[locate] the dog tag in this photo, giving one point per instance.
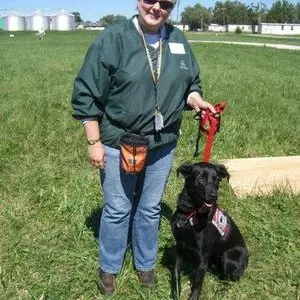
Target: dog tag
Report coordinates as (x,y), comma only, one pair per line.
(158,120)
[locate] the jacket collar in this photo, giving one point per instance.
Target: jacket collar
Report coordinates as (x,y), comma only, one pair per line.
(163,31)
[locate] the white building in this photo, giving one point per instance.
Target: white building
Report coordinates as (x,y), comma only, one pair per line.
(63,20)
(278,28)
(216,28)
(182,27)
(38,21)
(243,27)
(13,21)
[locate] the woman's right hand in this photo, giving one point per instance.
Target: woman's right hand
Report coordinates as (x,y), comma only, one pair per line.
(97,155)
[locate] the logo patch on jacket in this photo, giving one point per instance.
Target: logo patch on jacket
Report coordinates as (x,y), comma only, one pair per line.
(220,221)
(182,65)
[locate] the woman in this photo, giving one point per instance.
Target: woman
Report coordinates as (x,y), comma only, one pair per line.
(137,77)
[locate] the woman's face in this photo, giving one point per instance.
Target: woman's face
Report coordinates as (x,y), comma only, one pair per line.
(152,16)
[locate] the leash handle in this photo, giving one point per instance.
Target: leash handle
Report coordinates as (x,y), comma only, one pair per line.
(207,117)
(209,125)
(210,137)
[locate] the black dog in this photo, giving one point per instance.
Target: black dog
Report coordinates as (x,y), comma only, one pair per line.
(204,234)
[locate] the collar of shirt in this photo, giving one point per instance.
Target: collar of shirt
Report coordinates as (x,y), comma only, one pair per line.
(151,39)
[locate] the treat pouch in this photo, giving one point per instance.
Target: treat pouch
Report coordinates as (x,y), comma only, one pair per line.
(134,149)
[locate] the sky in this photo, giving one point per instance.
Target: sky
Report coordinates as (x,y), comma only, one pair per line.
(94,10)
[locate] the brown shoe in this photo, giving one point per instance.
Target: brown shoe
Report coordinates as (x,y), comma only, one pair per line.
(107,283)
(147,278)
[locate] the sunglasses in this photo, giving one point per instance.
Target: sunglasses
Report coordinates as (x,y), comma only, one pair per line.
(165,5)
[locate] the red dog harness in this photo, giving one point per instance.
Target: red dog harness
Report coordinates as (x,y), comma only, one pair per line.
(219,219)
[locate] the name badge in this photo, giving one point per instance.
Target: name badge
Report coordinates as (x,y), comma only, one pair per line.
(176,48)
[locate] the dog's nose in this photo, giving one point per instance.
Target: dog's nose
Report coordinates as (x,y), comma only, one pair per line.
(212,195)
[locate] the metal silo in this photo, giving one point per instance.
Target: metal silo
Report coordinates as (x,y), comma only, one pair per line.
(38,21)
(14,22)
(63,20)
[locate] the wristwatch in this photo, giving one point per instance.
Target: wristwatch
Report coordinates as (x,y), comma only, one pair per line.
(93,142)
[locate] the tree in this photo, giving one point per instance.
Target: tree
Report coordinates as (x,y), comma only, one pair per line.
(219,13)
(77,16)
(257,13)
(196,17)
(281,12)
(110,19)
(297,13)
(230,12)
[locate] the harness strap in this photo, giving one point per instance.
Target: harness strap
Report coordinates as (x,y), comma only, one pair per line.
(219,219)
(192,216)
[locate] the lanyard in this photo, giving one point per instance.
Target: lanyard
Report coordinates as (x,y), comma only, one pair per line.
(159,59)
(158,120)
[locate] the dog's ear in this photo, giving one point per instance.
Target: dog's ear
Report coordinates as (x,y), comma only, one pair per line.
(222,172)
(185,169)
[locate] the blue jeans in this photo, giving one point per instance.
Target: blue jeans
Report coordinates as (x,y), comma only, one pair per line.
(133,197)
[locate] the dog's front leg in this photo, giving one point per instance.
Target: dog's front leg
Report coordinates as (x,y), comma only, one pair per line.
(176,282)
(197,281)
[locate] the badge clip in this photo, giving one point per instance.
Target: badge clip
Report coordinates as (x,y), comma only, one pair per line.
(158,120)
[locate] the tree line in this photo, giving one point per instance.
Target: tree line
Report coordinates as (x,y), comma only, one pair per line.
(235,12)
(103,22)
(223,13)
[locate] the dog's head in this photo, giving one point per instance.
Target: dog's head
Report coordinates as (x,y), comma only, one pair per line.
(202,181)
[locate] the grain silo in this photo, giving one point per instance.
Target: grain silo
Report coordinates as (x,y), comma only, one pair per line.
(14,22)
(38,21)
(63,20)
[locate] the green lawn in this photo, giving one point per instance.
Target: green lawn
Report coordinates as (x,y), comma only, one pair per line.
(245,37)
(50,196)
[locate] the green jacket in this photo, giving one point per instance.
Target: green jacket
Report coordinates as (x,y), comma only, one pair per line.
(115,85)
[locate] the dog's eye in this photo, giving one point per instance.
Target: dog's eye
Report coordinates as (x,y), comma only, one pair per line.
(202,181)
(202,177)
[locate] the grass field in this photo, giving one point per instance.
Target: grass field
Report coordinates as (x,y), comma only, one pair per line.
(50,196)
(245,37)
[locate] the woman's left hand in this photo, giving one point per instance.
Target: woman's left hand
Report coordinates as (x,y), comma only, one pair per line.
(197,103)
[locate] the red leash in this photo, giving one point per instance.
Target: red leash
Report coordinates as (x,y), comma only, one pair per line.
(209,125)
